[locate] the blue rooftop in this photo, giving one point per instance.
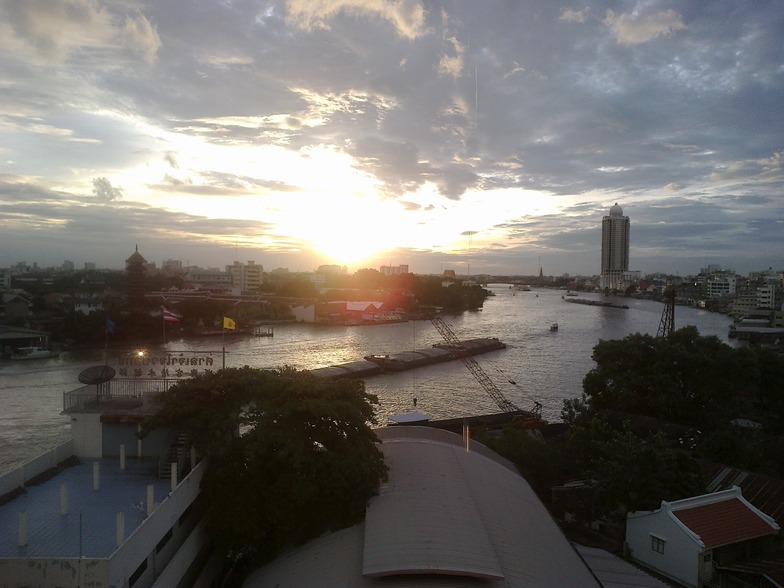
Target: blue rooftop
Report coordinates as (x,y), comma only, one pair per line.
(89,528)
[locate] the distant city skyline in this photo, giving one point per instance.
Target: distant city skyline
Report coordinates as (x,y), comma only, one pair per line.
(478,136)
(69,265)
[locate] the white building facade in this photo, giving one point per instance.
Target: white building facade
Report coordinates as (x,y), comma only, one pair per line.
(615,249)
(682,539)
(245,277)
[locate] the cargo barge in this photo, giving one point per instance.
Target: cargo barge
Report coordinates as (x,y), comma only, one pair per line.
(602,303)
(373,365)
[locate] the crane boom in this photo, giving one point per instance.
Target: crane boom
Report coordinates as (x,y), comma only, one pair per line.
(475,369)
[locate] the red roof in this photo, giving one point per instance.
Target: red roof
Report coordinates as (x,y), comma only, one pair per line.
(724,522)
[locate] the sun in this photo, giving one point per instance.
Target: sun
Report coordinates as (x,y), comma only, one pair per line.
(352,235)
(345,229)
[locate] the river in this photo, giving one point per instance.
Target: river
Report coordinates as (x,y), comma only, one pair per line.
(537,366)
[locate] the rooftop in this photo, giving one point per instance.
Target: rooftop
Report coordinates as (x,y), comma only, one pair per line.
(764,492)
(446,517)
(88,528)
(724,522)
(722,518)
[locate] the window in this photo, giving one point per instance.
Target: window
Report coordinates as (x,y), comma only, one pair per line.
(657,544)
(138,573)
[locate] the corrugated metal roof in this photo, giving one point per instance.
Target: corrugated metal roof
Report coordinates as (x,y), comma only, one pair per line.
(426,521)
(764,492)
(486,515)
(614,572)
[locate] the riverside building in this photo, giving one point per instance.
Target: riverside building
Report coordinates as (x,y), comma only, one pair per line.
(615,250)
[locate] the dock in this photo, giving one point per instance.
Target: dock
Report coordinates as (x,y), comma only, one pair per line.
(263,332)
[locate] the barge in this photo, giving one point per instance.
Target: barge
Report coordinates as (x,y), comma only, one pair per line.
(438,353)
(372,365)
(602,303)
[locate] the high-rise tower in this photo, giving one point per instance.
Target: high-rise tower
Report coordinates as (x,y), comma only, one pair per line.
(615,249)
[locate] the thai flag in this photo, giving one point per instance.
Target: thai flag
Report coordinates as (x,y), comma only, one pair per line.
(170,317)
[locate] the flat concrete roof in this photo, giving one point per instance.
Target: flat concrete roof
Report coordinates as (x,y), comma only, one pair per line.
(89,527)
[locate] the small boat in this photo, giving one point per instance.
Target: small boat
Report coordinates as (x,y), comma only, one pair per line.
(554,327)
(33,352)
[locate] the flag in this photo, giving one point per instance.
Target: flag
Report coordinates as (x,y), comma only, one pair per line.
(229,323)
(110,326)
(169,316)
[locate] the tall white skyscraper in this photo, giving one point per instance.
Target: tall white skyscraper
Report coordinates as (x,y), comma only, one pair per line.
(615,249)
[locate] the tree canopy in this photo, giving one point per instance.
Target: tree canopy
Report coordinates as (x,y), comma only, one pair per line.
(683,378)
(291,455)
(698,382)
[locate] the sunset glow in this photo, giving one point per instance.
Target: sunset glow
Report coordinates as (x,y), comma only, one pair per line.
(407,133)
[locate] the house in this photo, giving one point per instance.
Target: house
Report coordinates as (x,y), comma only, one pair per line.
(88,304)
(689,540)
(13,306)
(764,492)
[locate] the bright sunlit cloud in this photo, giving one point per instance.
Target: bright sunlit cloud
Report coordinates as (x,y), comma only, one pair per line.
(352,132)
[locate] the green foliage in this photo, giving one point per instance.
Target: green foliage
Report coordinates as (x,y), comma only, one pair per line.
(306,460)
(543,464)
(298,287)
(623,471)
(430,291)
(695,381)
(683,378)
(630,473)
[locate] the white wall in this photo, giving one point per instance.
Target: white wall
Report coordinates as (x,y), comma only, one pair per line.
(304,314)
(681,556)
(86,432)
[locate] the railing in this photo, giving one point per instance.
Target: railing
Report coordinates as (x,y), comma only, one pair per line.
(19,476)
(93,396)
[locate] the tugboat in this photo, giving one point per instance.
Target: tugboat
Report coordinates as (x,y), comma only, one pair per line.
(554,327)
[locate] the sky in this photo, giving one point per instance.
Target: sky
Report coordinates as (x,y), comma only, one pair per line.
(483,136)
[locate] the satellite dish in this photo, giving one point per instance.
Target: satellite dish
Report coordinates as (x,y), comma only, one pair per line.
(97,374)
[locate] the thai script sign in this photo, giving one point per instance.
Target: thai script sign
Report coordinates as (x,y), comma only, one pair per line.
(166,365)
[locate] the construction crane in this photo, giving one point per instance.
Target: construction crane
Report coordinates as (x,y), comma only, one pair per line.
(667,323)
(476,370)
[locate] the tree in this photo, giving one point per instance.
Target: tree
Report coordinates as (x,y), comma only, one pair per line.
(695,381)
(683,378)
(628,472)
(306,460)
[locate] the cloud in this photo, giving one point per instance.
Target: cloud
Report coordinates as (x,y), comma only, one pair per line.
(140,36)
(233,109)
(570,15)
(58,29)
(632,30)
(406,16)
(103,190)
(452,61)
